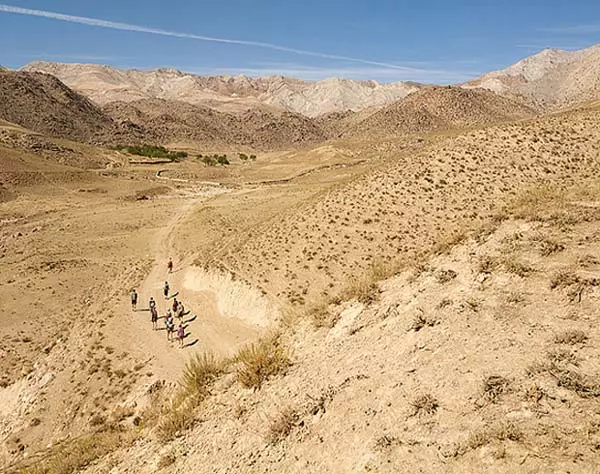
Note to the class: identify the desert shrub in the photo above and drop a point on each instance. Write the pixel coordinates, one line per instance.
(253, 157)
(444, 276)
(222, 160)
(562, 356)
(580, 384)
(570, 336)
(243, 156)
(209, 161)
(199, 374)
(385, 442)
(319, 314)
(258, 362)
(514, 266)
(363, 289)
(515, 297)
(563, 278)
(494, 386)
(282, 425)
(549, 247)
(420, 320)
(500, 432)
(166, 460)
(424, 404)
(446, 244)
(176, 417)
(534, 203)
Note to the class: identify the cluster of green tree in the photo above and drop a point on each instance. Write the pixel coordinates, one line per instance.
(245, 157)
(214, 160)
(152, 151)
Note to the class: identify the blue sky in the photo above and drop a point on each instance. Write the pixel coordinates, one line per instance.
(433, 41)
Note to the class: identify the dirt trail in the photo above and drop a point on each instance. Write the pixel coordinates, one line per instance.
(206, 328)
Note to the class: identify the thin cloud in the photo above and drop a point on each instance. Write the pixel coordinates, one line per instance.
(155, 31)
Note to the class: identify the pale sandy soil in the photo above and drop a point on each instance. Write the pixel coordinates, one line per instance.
(285, 232)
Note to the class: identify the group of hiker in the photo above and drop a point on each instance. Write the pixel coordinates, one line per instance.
(175, 310)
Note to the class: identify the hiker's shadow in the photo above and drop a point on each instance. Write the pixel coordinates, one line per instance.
(188, 321)
(187, 312)
(170, 297)
(193, 343)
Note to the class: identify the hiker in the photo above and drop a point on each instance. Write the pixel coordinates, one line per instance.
(175, 304)
(134, 297)
(154, 318)
(151, 304)
(170, 266)
(170, 324)
(180, 334)
(180, 311)
(166, 289)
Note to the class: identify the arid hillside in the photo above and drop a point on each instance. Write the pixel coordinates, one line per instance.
(105, 84)
(550, 79)
(170, 121)
(418, 198)
(440, 108)
(42, 103)
(482, 359)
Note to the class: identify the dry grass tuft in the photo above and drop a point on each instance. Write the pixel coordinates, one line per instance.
(385, 442)
(500, 432)
(283, 424)
(571, 336)
(494, 386)
(516, 267)
(319, 314)
(534, 203)
(425, 404)
(199, 374)
(166, 460)
(562, 356)
(580, 384)
(75, 455)
(420, 321)
(563, 278)
(176, 417)
(549, 247)
(445, 276)
(258, 362)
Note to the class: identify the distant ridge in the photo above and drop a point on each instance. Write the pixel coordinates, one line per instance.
(550, 79)
(104, 84)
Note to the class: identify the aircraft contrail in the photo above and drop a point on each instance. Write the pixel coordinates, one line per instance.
(156, 31)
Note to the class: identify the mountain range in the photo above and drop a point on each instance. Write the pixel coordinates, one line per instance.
(104, 105)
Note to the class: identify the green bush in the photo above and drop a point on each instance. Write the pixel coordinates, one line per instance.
(209, 161)
(222, 160)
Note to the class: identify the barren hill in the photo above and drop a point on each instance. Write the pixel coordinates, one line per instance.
(439, 108)
(42, 103)
(173, 121)
(105, 84)
(552, 78)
